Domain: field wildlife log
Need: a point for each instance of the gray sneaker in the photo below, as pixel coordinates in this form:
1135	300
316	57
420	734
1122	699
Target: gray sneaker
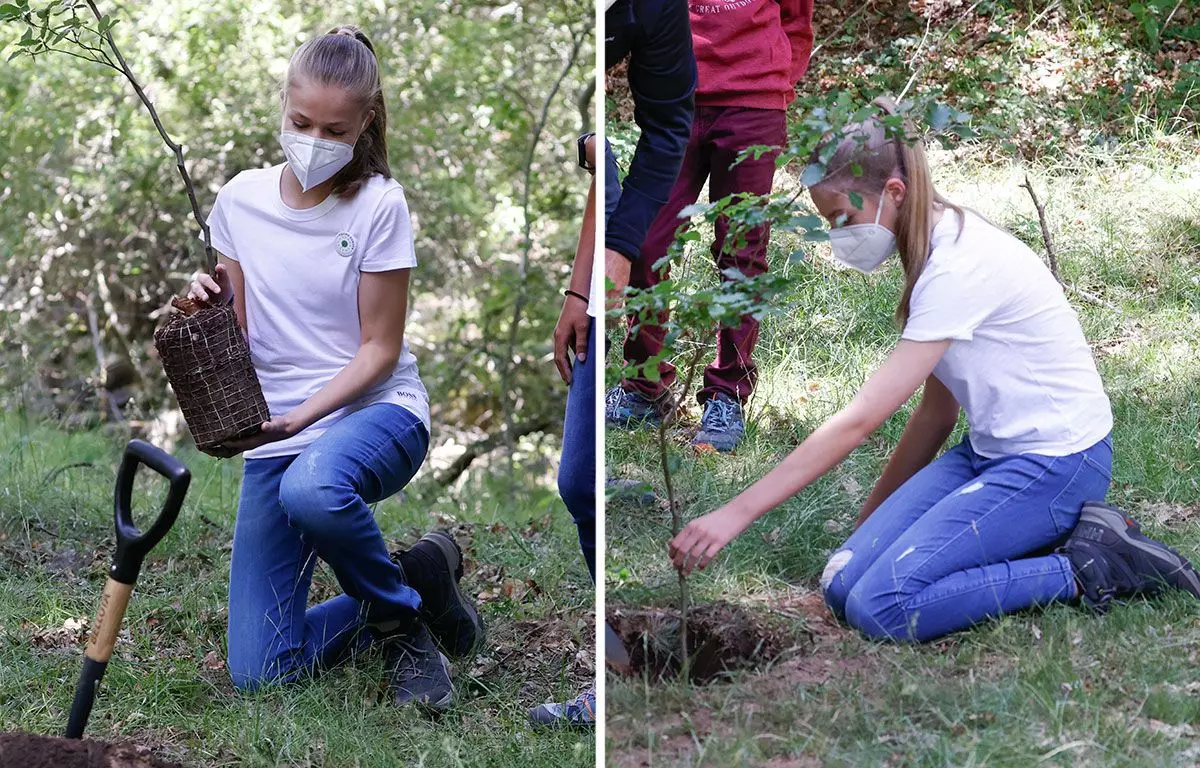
579	713
722	425
419	673
629	409
1111	558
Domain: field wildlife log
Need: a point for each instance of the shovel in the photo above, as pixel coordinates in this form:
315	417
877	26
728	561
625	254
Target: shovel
132	548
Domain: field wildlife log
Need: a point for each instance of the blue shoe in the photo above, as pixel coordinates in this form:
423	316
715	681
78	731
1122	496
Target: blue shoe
578	713
629	409
722	425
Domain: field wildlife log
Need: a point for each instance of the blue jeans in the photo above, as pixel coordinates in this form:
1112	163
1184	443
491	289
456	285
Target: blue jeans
577	468
961	541
294	509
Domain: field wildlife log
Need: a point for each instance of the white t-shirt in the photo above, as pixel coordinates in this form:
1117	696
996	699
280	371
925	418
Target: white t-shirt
302	270
1018	364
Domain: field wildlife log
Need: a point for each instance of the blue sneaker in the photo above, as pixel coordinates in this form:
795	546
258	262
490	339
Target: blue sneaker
578	713
629	409
722	425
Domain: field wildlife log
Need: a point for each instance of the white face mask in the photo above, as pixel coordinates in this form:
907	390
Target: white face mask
314	160
863	246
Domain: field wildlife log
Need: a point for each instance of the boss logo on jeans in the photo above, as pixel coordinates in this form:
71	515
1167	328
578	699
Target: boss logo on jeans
345	244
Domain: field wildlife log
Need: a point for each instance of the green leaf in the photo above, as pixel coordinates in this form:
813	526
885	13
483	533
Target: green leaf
939	114
9	11
855	199
813	173
815	236
797	255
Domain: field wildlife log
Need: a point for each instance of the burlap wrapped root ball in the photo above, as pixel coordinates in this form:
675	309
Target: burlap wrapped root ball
207	362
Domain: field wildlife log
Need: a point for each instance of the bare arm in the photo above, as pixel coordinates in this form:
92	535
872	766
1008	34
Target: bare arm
927	429
383	308
910	363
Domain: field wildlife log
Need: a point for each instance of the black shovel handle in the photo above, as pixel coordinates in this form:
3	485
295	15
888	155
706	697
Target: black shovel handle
132	544
132	548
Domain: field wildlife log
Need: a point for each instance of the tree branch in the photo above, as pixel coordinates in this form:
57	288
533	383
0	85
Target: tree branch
1053	257
487	445
1041	212
210	258
98	350
676	516
527	245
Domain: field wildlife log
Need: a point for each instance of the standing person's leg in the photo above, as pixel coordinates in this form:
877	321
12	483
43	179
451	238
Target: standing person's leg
734	372
577	467
961	562
647	341
577	486
272	637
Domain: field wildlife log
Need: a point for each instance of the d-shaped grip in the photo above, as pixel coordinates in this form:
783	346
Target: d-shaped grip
132	543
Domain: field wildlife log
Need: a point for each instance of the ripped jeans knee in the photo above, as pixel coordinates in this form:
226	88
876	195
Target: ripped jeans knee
835	587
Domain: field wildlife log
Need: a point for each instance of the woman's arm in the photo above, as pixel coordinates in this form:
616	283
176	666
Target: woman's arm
910	363
927	429
571	331
383	309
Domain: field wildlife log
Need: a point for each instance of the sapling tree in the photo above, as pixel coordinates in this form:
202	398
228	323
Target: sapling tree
78	28
688	314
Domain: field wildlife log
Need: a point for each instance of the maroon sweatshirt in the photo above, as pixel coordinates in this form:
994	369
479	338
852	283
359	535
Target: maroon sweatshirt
750	53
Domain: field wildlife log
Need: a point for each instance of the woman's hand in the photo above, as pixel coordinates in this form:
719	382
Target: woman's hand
571	333
589	151
701	539
278	428
214	291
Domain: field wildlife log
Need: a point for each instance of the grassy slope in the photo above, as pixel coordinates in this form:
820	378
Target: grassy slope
1059	686
167	686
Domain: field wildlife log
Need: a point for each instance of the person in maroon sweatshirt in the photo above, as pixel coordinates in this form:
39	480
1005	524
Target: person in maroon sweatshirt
749	54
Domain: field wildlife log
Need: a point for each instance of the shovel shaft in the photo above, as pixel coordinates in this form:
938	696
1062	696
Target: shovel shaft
113	603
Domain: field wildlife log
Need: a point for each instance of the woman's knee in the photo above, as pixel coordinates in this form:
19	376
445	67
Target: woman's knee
311	499
835	587
252	668
876	613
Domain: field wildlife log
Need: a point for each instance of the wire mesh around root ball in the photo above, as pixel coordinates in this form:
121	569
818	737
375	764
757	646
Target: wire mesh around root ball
207	361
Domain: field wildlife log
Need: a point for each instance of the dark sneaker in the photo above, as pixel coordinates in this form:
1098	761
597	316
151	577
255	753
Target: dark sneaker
629	409
419	673
1112	558
722	424
579	713
434	567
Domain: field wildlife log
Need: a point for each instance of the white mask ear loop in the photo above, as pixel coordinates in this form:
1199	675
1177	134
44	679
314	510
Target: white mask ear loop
879	210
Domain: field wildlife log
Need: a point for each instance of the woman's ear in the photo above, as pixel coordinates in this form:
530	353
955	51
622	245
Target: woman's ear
896	189
367	123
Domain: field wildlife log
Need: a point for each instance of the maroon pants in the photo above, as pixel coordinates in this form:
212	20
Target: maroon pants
718	135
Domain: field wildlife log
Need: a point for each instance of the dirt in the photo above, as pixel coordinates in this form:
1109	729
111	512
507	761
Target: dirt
722	637
26	750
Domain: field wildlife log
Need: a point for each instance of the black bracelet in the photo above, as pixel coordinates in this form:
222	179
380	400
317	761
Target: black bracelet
576	294
581	142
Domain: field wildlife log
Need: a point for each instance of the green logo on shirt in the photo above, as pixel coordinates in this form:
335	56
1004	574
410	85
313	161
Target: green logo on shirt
344	244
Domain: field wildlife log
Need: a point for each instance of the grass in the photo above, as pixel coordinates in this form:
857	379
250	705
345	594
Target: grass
1054	687
167	686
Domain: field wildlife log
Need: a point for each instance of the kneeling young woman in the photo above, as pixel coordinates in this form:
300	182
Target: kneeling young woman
316	253
945	543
